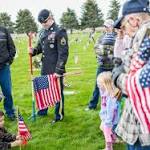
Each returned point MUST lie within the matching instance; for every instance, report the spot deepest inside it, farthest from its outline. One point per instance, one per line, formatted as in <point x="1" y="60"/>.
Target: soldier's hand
<point x="57" y="75"/>
<point x="31" y="50"/>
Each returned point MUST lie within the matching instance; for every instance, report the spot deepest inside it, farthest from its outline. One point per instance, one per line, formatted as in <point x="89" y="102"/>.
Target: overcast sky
<point x="56" y="6"/>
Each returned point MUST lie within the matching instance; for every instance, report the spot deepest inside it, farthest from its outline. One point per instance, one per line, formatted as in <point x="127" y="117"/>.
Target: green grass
<point x="80" y="129"/>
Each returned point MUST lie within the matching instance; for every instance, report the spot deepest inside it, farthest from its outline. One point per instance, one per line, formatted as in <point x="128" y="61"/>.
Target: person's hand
<point x="101" y="126"/>
<point x="31" y="50"/>
<point x="116" y="72"/>
<point x="57" y="75"/>
<point x="16" y="143"/>
<point x="120" y="33"/>
<point x="18" y="137"/>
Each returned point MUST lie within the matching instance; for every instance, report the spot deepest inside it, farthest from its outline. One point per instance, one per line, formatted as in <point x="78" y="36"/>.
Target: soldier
<point x="53" y="44"/>
<point x="7" y="54"/>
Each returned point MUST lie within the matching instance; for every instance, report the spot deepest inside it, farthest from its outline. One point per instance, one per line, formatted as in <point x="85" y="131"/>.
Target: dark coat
<point x="7" y="47"/>
<point x="53" y="44"/>
<point x="6" y="139"/>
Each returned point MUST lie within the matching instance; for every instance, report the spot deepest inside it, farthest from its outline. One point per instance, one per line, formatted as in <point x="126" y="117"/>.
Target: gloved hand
<point x="116" y="72"/>
<point x="57" y="75"/>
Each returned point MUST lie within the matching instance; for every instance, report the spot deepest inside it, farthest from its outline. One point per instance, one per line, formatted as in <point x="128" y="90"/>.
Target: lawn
<point x="80" y="129"/>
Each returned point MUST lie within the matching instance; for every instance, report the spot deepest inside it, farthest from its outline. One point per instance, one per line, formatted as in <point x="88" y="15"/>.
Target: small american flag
<point x="23" y="130"/>
<point x="47" y="91"/>
<point x="138" y="86"/>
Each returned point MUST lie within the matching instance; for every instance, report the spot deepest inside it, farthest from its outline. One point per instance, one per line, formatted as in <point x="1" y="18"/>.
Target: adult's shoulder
<point x="4" y="29"/>
<point x="61" y="29"/>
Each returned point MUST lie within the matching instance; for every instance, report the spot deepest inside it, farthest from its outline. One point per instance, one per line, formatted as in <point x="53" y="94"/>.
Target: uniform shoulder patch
<point x="63" y="41"/>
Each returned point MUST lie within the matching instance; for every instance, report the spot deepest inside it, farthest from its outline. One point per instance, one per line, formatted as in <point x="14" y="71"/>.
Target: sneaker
<point x="55" y="121"/>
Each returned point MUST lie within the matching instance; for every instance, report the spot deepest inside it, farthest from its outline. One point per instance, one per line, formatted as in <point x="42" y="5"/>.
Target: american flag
<point x="138" y="86"/>
<point x="23" y="130"/>
<point x="47" y="91"/>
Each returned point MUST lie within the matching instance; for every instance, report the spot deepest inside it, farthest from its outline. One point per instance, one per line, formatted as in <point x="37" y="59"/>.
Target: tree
<point x="69" y="19"/>
<point x="91" y="15"/>
<point x="5" y="20"/>
<point x="114" y="9"/>
<point x="25" y="22"/>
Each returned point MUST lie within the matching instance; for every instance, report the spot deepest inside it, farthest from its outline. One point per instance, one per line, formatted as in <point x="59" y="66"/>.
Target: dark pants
<point x="6" y="86"/>
<point x="94" y="100"/>
<point x="137" y="146"/>
<point x="59" y="108"/>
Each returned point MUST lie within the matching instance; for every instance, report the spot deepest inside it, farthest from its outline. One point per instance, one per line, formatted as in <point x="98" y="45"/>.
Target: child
<point x="109" y="113"/>
<point x="7" y="140"/>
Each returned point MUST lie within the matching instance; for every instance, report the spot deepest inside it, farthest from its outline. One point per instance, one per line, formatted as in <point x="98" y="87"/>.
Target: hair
<point x="105" y="79"/>
<point x="1" y="113"/>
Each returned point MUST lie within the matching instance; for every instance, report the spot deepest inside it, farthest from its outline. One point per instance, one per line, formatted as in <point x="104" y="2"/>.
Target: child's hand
<point x="18" y="137"/>
<point x="16" y="143"/>
<point x="101" y="126"/>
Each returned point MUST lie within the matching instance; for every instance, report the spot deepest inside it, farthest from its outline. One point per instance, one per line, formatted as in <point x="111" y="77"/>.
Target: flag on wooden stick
<point x="23" y="130"/>
<point x="47" y="91"/>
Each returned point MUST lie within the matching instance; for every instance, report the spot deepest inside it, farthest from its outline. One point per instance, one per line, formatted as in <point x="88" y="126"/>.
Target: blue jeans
<point x="137" y="146"/>
<point x="6" y="86"/>
<point x="95" y="97"/>
<point x="59" y="108"/>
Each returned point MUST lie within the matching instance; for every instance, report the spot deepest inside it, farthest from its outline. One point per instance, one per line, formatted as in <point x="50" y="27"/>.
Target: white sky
<point x="56" y="6"/>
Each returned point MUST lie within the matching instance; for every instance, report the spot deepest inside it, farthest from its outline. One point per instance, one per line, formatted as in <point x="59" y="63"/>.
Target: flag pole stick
<point x="33" y="116"/>
<point x="18" y="123"/>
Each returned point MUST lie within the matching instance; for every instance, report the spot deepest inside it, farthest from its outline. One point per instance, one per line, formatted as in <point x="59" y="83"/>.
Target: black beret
<point x="43" y="15"/>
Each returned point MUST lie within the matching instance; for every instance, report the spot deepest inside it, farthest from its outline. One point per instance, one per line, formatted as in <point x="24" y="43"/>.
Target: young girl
<point x="110" y="107"/>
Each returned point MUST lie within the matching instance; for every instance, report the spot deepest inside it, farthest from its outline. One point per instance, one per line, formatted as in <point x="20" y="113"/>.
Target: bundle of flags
<point x="138" y="88"/>
<point x="47" y="91"/>
<point x="23" y="130"/>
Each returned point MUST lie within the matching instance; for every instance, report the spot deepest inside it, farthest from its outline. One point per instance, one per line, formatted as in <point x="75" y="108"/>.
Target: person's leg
<point x="42" y="112"/>
<point x="6" y="86"/>
<point x="59" y="108"/>
<point x="130" y="147"/>
<point x="136" y="146"/>
<point x="94" y="100"/>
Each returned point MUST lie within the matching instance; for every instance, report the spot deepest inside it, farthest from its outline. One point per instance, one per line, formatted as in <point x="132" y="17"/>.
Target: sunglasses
<point x="45" y="21"/>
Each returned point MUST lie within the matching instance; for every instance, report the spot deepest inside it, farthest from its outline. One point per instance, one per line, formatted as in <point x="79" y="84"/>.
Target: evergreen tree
<point x="91" y="15"/>
<point x="25" y="22"/>
<point x="5" y="20"/>
<point x="69" y="20"/>
<point x="114" y="9"/>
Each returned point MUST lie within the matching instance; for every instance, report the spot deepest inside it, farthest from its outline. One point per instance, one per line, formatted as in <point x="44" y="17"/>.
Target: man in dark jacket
<point x="53" y="44"/>
<point x="7" y="53"/>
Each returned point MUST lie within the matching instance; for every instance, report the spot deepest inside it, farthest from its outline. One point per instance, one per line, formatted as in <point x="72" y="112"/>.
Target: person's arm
<point x="8" y="137"/>
<point x="111" y="106"/>
<point x="37" y="50"/>
<point x="10" y="46"/>
<point x="62" y="47"/>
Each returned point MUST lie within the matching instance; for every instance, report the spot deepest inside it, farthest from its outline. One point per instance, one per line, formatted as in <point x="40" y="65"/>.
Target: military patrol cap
<point x="132" y="6"/>
<point x="43" y="15"/>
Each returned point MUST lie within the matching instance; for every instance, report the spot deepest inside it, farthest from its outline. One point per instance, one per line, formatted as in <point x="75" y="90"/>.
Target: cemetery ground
<point x="80" y="129"/>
